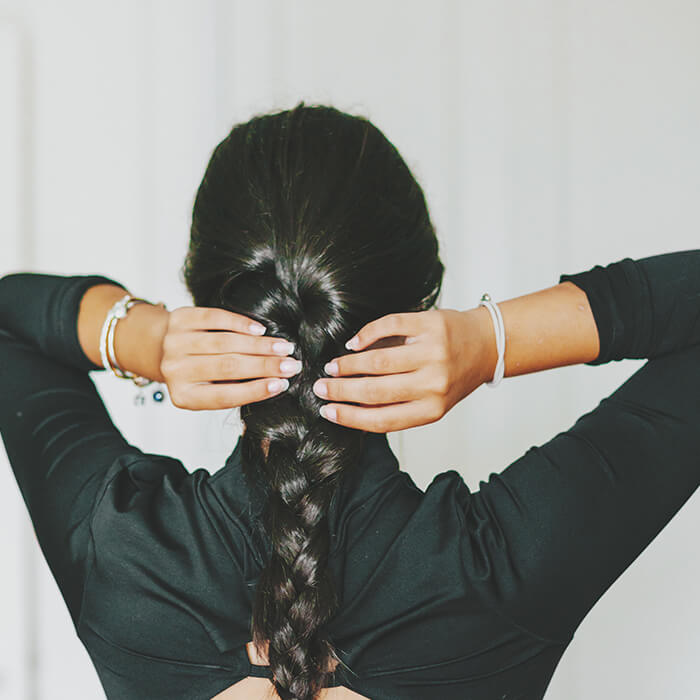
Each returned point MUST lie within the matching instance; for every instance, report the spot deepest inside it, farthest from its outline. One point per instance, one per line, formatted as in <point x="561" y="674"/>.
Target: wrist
<point x="138" y="340"/>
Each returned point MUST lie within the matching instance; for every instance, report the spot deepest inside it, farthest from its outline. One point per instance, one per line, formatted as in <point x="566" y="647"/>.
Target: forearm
<point x="42" y="309"/>
<point x="138" y="338"/>
<point x="552" y="327"/>
<point x="628" y="309"/>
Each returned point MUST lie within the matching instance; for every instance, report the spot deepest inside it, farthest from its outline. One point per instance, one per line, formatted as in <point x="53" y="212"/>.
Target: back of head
<point x="309" y="221"/>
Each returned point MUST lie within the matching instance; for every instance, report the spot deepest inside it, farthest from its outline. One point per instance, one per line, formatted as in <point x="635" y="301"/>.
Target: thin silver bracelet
<point x="107" y="353"/>
<point x="500" y="329"/>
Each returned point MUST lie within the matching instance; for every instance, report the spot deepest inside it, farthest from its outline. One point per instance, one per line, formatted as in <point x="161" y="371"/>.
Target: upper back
<point x="177" y="556"/>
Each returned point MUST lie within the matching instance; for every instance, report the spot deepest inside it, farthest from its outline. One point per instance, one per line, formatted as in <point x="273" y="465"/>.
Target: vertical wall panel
<point x="479" y="260"/>
<point x="186" y="82"/>
<point x="11" y="140"/>
<point x="16" y="650"/>
<point x="92" y="211"/>
<point x="634" y="176"/>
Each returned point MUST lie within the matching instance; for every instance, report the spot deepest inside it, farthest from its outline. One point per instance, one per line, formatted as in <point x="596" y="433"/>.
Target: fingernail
<point x="328" y="412"/>
<point x="283" y="347"/>
<point x="331" y="367"/>
<point x="321" y="388"/>
<point x="257" y="329"/>
<point x="352" y="343"/>
<point x="293" y="366"/>
<point x="278" y="385"/>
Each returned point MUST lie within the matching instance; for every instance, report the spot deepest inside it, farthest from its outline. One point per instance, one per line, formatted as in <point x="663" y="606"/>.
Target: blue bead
<point x="158" y="395"/>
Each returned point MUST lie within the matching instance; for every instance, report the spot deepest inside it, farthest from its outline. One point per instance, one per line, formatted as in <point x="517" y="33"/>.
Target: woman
<point x="310" y="565"/>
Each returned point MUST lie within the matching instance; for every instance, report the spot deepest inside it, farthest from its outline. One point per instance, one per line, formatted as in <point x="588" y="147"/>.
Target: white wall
<point x="549" y="137"/>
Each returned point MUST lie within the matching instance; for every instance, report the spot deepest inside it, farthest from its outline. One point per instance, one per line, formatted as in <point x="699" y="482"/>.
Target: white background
<point x="549" y="136"/>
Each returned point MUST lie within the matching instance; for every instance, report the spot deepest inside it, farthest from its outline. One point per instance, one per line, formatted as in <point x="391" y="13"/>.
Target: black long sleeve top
<point x="444" y="592"/>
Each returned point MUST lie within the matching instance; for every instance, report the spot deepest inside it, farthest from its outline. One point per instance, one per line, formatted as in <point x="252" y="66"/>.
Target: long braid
<point x="296" y="595"/>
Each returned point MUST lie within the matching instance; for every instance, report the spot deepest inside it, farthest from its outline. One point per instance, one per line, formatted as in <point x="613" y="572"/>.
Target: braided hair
<point x="309" y="221"/>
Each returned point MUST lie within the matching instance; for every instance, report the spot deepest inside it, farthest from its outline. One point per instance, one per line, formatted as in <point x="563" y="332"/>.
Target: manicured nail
<point x="352" y="343"/>
<point x="283" y="347"/>
<point x="293" y="366"/>
<point x="321" y="388"/>
<point x="331" y="367"/>
<point x="257" y="329"/>
<point x="328" y="412"/>
<point x="278" y="385"/>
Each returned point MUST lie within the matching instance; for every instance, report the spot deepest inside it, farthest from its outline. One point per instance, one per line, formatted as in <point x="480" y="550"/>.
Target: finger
<point x="203" y="343"/>
<point x="389" y="389"/>
<point x="232" y="366"/>
<point x="199" y="397"/>
<point x="408" y="324"/>
<point x="400" y="358"/>
<point x="212" y="318"/>
<point x="382" y="419"/>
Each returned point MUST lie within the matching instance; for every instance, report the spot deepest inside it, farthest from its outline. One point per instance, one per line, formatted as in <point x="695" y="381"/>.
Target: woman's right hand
<point x="442" y="357"/>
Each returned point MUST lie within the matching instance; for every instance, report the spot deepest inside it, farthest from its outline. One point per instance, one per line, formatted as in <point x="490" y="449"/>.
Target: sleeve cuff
<point x="617" y="295"/>
<point x="66" y="319"/>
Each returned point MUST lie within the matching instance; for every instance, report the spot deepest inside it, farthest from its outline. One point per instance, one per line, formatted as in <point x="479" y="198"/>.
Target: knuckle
<point x="167" y="341"/>
<point x="441" y="383"/>
<point x="348" y="418"/>
<point x="207" y="315"/>
<point x="439" y="354"/>
<point x="380" y="424"/>
<point x="406" y="393"/>
<point x="220" y="399"/>
<point x="228" y="365"/>
<point x="176" y="397"/>
<point x="333" y="390"/>
<point x="180" y="316"/>
<point x="343" y="364"/>
<point x="221" y="342"/>
<point x="435" y="410"/>
<point x="199" y="317"/>
<point x="393" y="394"/>
<point x="369" y="329"/>
<point x="380" y="363"/>
<point x="167" y="366"/>
<point x="444" y="356"/>
<point x="441" y="325"/>
<point x="435" y="317"/>
<point x="393" y="324"/>
<point x="373" y="393"/>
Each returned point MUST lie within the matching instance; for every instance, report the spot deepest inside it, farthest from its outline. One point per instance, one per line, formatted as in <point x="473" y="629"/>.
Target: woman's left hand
<point x="213" y="360"/>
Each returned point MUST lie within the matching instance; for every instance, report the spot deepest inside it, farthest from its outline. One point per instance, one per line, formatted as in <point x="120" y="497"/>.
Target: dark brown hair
<point x="309" y="221"/>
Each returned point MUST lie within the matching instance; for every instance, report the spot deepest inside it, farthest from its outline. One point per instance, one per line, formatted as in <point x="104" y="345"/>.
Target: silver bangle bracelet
<point x="497" y="319"/>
